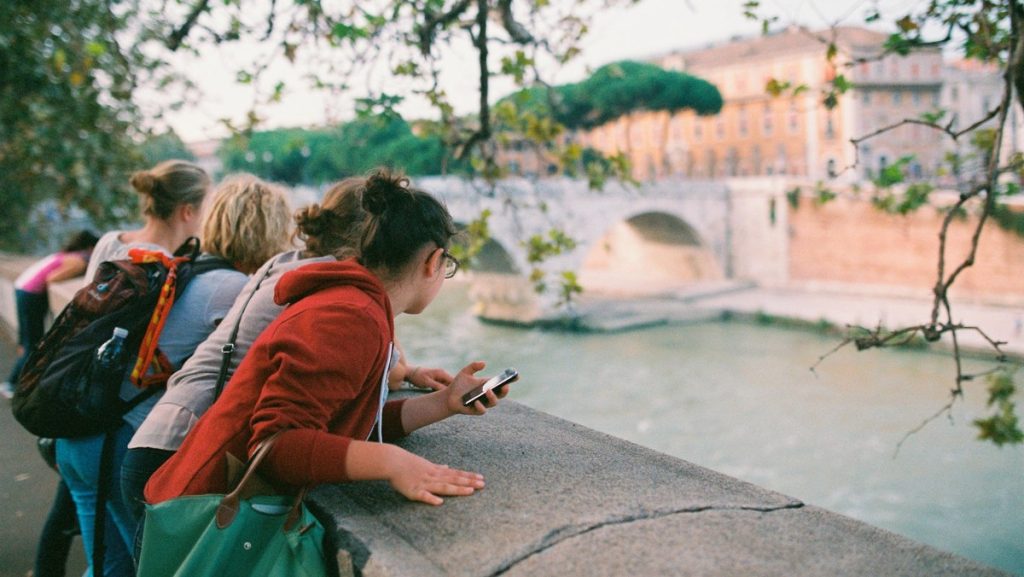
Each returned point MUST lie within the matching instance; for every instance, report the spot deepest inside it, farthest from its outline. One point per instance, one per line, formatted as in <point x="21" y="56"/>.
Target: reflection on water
<point x="740" y="399"/>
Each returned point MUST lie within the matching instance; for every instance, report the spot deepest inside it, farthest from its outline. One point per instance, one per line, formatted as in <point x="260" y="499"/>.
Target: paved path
<point x="27" y="486"/>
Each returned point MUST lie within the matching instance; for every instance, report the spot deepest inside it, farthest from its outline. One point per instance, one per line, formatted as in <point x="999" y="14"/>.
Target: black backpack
<point x="60" y="392"/>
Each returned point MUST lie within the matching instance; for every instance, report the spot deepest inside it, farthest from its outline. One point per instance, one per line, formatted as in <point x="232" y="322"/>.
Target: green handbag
<point x="232" y="535"/>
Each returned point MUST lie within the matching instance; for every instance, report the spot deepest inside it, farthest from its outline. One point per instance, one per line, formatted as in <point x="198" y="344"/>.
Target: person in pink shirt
<point x="30" y="294"/>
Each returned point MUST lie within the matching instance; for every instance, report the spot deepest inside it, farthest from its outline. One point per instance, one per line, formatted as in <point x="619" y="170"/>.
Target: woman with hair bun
<point x="331" y="231"/>
<point x="317" y="376"/>
<point x="171" y="197"/>
<point x="247" y="221"/>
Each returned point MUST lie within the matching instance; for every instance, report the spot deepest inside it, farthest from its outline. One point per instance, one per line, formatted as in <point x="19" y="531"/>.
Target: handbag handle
<point x="229" y="505"/>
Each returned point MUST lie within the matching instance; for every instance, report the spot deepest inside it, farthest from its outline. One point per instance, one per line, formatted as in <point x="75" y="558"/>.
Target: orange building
<point x="757" y="134"/>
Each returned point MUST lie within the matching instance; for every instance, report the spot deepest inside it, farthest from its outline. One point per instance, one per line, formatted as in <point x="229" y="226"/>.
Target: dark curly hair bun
<point x="385" y="190"/>
<point x="310" y="220"/>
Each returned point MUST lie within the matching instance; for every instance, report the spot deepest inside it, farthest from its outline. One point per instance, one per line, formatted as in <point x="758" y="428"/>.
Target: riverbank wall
<point x="562" y="499"/>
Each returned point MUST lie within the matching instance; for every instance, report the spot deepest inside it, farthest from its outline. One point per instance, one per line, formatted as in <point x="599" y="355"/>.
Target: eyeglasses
<point x="451" y="264"/>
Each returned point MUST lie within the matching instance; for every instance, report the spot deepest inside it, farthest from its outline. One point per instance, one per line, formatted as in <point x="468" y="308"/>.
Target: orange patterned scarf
<point x="149" y="355"/>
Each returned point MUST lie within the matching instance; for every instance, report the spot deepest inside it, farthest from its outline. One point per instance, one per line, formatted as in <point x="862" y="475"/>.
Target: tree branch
<point x="484" y="132"/>
<point x="432" y="22"/>
<point x="179" y="35"/>
<point x="516" y="31"/>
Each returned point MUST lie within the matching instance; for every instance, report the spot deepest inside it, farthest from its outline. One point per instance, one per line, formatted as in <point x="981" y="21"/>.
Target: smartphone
<point x="495" y="382"/>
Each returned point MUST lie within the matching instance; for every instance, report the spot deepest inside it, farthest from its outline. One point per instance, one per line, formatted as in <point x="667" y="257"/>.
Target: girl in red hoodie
<point x="318" y="374"/>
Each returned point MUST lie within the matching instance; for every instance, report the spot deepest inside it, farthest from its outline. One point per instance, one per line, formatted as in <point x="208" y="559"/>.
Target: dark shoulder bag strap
<point x="228" y="350"/>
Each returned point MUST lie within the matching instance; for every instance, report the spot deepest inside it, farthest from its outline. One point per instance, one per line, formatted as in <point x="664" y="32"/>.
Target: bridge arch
<point x="494" y="258"/>
<point x="650" y="252"/>
<point x="498" y="289"/>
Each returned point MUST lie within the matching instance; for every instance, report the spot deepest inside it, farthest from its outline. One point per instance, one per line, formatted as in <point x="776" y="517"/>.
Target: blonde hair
<point x="169" y="185"/>
<point x="334" y="226"/>
<point x="247" y="221"/>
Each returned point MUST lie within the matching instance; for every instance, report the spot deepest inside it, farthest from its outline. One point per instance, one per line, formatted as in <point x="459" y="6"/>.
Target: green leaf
<point x="342" y="31"/>
<point x="906" y="24"/>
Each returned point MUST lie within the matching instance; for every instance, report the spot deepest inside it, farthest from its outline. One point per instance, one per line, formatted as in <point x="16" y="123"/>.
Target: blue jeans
<point x="58" y="532"/>
<point x="79" y="463"/>
<point x="32" y="309"/>
<point x="139" y="465"/>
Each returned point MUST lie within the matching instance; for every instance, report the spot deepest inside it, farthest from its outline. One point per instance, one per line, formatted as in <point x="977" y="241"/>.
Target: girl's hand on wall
<point x="429" y="378"/>
<point x="421" y="480"/>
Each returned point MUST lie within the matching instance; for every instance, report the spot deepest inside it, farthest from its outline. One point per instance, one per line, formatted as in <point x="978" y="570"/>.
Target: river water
<point x="740" y="399"/>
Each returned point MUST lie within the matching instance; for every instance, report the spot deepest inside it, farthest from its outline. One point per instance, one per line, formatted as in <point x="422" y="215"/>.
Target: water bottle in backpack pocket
<point x="102" y="388"/>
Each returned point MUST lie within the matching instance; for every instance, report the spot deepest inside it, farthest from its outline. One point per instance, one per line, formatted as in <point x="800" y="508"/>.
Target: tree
<point x="73" y="75"/>
<point x="299" y="156"/>
<point x="991" y="31"/>
<point x="67" y="116"/>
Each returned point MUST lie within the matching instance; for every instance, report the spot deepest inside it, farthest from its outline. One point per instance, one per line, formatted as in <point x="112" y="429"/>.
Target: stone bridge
<point x="662" y="238"/>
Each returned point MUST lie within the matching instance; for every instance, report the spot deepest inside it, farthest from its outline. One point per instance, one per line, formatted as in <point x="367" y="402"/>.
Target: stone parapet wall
<point x="562" y="499"/>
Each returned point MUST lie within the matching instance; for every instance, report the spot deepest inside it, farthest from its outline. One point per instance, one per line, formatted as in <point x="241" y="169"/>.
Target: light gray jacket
<point x="190" y="391"/>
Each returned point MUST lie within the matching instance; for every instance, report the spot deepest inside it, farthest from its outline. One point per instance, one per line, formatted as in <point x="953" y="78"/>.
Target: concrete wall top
<point x="562" y="500"/>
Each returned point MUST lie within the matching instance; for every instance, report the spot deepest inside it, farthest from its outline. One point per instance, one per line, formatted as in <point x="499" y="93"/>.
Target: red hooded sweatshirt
<point x="316" y="373"/>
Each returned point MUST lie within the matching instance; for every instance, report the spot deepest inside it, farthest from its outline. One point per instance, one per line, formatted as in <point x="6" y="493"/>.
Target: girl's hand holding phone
<point x="466" y="385"/>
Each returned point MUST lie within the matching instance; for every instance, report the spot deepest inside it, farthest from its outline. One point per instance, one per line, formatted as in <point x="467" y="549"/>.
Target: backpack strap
<point x="228" y="350"/>
<point x="178" y="277"/>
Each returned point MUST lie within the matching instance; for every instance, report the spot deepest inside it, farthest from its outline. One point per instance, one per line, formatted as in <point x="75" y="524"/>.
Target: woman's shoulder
<point x="107" y="246"/>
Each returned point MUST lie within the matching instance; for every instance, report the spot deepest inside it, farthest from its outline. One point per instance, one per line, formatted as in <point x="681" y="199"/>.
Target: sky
<point x="649" y="28"/>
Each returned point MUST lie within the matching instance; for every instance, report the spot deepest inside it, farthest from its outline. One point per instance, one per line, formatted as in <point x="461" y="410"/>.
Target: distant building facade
<point x="793" y="134"/>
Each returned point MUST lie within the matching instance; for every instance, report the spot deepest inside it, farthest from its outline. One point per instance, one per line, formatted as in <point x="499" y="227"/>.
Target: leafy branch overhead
<point x="991" y="32"/>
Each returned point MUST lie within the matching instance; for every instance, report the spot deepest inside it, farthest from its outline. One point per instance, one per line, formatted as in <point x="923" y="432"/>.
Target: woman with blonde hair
<point x="330" y="230"/>
<point x="316" y="378"/>
<point x="246" y="222"/>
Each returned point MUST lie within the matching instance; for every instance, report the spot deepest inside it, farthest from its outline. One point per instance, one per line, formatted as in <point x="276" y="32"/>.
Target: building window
<point x="897" y="97"/>
<point x="743" y="120"/>
<point x="915" y="70"/>
<point x="712" y="163"/>
<point x="954" y="93"/>
<point x="830" y="168"/>
<point x="698" y="128"/>
<point x="830" y="126"/>
<point x="720" y="128"/>
<point x="794" y="118"/>
<point x="732" y="162"/>
<point x="755" y="159"/>
<point x="935" y="98"/>
<point x="865" y="97"/>
<point x="766" y="120"/>
<point x="916" y="98"/>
